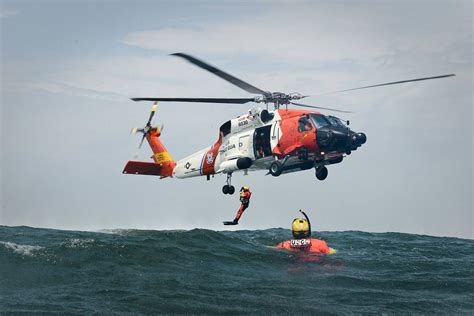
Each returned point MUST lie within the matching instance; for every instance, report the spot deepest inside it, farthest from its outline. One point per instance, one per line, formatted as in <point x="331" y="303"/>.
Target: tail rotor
<point x="147" y="129"/>
<point x="163" y="164"/>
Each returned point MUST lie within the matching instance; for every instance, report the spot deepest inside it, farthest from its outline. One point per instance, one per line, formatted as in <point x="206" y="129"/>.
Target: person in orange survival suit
<point x="301" y="229"/>
<point x="245" y="200"/>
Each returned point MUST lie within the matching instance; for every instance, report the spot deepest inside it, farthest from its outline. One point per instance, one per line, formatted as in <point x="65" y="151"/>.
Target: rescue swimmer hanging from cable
<point x="279" y="141"/>
<point x="245" y="195"/>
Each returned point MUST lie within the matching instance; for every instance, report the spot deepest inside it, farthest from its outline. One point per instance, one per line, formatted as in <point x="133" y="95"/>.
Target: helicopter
<point x="279" y="141"/>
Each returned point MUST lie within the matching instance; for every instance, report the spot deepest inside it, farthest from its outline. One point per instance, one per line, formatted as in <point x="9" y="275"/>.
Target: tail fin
<point x="164" y="163"/>
<point x="160" y="154"/>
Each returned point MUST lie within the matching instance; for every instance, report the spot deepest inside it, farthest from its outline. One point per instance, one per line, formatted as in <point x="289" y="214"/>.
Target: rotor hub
<point x="278" y="98"/>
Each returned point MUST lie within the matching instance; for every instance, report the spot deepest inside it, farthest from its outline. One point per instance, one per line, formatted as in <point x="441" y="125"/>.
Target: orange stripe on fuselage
<point x="209" y="158"/>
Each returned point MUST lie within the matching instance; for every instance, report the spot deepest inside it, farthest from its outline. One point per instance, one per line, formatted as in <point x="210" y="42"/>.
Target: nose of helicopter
<point x="335" y="139"/>
<point x="358" y="139"/>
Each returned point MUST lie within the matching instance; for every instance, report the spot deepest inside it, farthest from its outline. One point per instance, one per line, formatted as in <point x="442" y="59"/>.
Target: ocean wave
<point x="24" y="250"/>
<point x="203" y="271"/>
<point x="79" y="243"/>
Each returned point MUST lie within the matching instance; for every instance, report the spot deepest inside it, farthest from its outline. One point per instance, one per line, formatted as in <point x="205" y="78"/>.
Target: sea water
<point x="204" y="271"/>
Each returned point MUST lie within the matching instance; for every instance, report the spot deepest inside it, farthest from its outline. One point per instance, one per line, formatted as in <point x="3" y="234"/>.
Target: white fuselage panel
<point x="239" y="143"/>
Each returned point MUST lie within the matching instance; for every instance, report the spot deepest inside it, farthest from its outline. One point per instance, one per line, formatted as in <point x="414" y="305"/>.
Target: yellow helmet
<point x="246" y="188"/>
<point x="300" y="228"/>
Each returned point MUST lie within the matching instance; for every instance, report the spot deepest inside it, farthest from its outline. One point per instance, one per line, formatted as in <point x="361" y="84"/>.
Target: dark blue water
<point x="202" y="271"/>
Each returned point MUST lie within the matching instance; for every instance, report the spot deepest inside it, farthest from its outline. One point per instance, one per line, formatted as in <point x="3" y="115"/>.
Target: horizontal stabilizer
<point x="140" y="167"/>
<point x="230" y="223"/>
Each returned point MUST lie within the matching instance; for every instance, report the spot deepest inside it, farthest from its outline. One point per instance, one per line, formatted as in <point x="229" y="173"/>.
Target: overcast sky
<point x="69" y="67"/>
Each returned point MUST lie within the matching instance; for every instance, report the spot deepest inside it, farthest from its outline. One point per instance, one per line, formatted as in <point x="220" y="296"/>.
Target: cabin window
<point x="225" y="128"/>
<point x="304" y="125"/>
<point x="319" y="120"/>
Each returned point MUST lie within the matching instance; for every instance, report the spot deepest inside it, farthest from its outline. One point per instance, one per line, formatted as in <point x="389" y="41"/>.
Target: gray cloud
<point x="5" y="13"/>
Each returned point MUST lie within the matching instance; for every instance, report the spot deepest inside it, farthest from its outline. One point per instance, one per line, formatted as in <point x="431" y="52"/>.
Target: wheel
<point x="225" y="189"/>
<point x="276" y="168"/>
<point x="321" y="173"/>
<point x="231" y="190"/>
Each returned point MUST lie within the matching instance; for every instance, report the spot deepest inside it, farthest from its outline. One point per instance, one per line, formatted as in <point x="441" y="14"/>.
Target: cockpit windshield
<point x="319" y="120"/>
<point x="335" y="121"/>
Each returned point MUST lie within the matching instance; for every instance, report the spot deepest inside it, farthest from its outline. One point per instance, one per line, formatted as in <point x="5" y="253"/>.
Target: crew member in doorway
<point x="302" y="241"/>
<point x="259" y="145"/>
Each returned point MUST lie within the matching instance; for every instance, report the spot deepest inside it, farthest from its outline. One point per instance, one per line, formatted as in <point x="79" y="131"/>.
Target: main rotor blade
<point x="203" y="100"/>
<point x="236" y="81"/>
<point x="319" y="107"/>
<point x="388" y="83"/>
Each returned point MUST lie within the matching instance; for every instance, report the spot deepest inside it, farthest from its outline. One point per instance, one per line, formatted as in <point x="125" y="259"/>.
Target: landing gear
<point x="276" y="168"/>
<point x="321" y="172"/>
<point x="228" y="188"/>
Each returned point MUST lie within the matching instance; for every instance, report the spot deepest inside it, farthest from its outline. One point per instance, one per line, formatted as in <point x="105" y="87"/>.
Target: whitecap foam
<point x="25" y="250"/>
<point x="78" y="243"/>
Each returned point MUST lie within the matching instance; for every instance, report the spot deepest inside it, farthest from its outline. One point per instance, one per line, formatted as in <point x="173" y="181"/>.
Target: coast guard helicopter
<point x="280" y="141"/>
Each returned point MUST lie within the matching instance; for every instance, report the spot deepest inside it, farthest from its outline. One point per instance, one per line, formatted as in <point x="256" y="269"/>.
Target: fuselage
<point x="254" y="140"/>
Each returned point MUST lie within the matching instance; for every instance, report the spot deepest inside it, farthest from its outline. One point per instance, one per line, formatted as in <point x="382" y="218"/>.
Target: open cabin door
<point x="262" y="146"/>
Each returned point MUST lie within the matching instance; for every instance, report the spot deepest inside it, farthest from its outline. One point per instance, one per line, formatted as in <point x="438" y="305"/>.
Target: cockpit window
<point x="319" y="120"/>
<point x="304" y="125"/>
<point x="334" y="121"/>
<point x="225" y="128"/>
